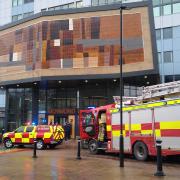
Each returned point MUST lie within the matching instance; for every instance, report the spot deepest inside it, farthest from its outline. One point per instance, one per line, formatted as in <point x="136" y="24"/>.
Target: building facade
<point x="55" y="63"/>
<point x="166" y="17"/>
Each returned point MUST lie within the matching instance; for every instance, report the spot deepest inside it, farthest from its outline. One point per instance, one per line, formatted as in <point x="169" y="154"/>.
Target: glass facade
<point x="19" y="103"/>
<point x="163" y="8"/>
<point x="59" y="104"/>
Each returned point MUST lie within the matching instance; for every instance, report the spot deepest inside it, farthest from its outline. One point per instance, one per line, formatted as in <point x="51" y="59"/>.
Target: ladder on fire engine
<point x="161" y="90"/>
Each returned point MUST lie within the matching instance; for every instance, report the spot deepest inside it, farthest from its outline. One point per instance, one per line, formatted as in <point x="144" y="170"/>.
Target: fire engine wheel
<point x="40" y="144"/>
<point x="8" y="143"/>
<point x="93" y="147"/>
<point x="140" y="151"/>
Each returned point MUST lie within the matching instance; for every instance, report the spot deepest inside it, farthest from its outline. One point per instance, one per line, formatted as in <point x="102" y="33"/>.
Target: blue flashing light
<point x="91" y="107"/>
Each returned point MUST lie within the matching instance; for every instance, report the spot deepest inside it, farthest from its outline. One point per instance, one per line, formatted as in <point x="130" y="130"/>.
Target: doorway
<point x="60" y="119"/>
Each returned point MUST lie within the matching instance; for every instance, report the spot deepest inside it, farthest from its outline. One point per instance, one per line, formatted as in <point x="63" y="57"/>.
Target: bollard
<point x="79" y="149"/>
<point x="159" y="159"/>
<point x="35" y="147"/>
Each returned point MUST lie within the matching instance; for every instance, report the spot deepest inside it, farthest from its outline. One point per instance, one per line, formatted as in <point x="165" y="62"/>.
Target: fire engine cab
<point x="143" y="124"/>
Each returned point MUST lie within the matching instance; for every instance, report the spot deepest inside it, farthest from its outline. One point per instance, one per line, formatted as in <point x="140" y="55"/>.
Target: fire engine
<point x="143" y="124"/>
<point x="45" y="134"/>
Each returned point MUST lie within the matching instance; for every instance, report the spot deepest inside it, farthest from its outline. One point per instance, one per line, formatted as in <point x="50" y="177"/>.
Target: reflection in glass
<point x="167" y="10"/>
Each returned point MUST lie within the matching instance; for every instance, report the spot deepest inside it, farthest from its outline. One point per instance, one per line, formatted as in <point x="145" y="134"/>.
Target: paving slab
<point x="61" y="164"/>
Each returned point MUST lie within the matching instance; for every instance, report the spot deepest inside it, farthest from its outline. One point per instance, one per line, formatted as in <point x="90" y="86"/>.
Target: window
<point x="16" y="17"/>
<point x="20" y="129"/>
<point x="158" y="34"/>
<point x="29" y="128"/>
<point x="28" y="14"/>
<point x="102" y="2"/>
<point x="20" y="2"/>
<point x="51" y="9"/>
<point x="167" y="9"/>
<point x="14" y="3"/>
<point x="168" y="57"/>
<point x="157" y="11"/>
<point x="71" y="5"/>
<point x="166" y="1"/>
<point x="94" y="2"/>
<point x="176" y="8"/>
<point x="28" y="1"/>
<point x="79" y="4"/>
<point x="42" y="10"/>
<point x="65" y="6"/>
<point x="167" y="33"/>
<point x="159" y="58"/>
<point x="156" y="2"/>
<point x="110" y="1"/>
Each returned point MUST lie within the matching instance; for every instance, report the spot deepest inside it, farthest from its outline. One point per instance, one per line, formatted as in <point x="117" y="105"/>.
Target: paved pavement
<point x="61" y="164"/>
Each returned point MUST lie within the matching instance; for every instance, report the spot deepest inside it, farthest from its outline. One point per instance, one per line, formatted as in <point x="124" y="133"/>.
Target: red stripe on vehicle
<point x="47" y="140"/>
<point x="11" y="135"/>
<point x="170" y="132"/>
<point x="117" y="127"/>
<point x="25" y="135"/>
<point x="18" y="140"/>
<point x="135" y="132"/>
<point x="146" y="126"/>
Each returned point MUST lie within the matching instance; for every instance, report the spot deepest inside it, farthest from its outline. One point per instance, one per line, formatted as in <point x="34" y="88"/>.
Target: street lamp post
<point x="121" y="143"/>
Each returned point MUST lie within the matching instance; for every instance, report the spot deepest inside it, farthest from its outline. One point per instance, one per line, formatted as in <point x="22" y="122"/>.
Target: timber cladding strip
<point x="63" y="45"/>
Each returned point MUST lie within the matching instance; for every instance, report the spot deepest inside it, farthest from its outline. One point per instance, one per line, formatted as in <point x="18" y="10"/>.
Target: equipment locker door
<point x="116" y="131"/>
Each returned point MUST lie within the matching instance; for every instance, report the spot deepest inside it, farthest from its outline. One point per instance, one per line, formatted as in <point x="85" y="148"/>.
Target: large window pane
<point x="168" y="57"/>
<point x="71" y="5"/>
<point x="167" y="33"/>
<point x="156" y="11"/>
<point x="94" y="2"/>
<point x="167" y="9"/>
<point x="166" y="1"/>
<point x="158" y="34"/>
<point x="102" y="2"/>
<point x="79" y="4"/>
<point x="110" y="1"/>
<point x="14" y="3"/>
<point x="176" y="8"/>
<point x="28" y="1"/>
<point x="20" y="2"/>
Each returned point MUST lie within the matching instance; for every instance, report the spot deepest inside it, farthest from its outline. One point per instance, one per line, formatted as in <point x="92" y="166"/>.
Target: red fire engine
<point x="142" y="125"/>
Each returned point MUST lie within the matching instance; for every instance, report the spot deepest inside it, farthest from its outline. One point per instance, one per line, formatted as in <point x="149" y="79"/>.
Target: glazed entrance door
<point x="60" y="119"/>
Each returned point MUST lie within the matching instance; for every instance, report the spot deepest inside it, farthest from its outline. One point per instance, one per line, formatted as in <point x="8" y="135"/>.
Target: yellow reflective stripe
<point x="146" y="131"/>
<point x="158" y="133"/>
<point x="47" y="135"/>
<point x="13" y="140"/>
<point x="135" y="127"/>
<point x="25" y="140"/>
<point x="114" y="110"/>
<point x="117" y="133"/>
<point x="108" y="128"/>
<point x="171" y="102"/>
<point x="144" y="106"/>
<point x="170" y="125"/>
<point x="126" y="127"/>
<point x="18" y="135"/>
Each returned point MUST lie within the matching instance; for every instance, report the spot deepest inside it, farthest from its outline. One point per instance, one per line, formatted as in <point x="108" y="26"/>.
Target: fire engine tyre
<point x="8" y="143"/>
<point x="40" y="144"/>
<point x="93" y="147"/>
<point x="140" y="151"/>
